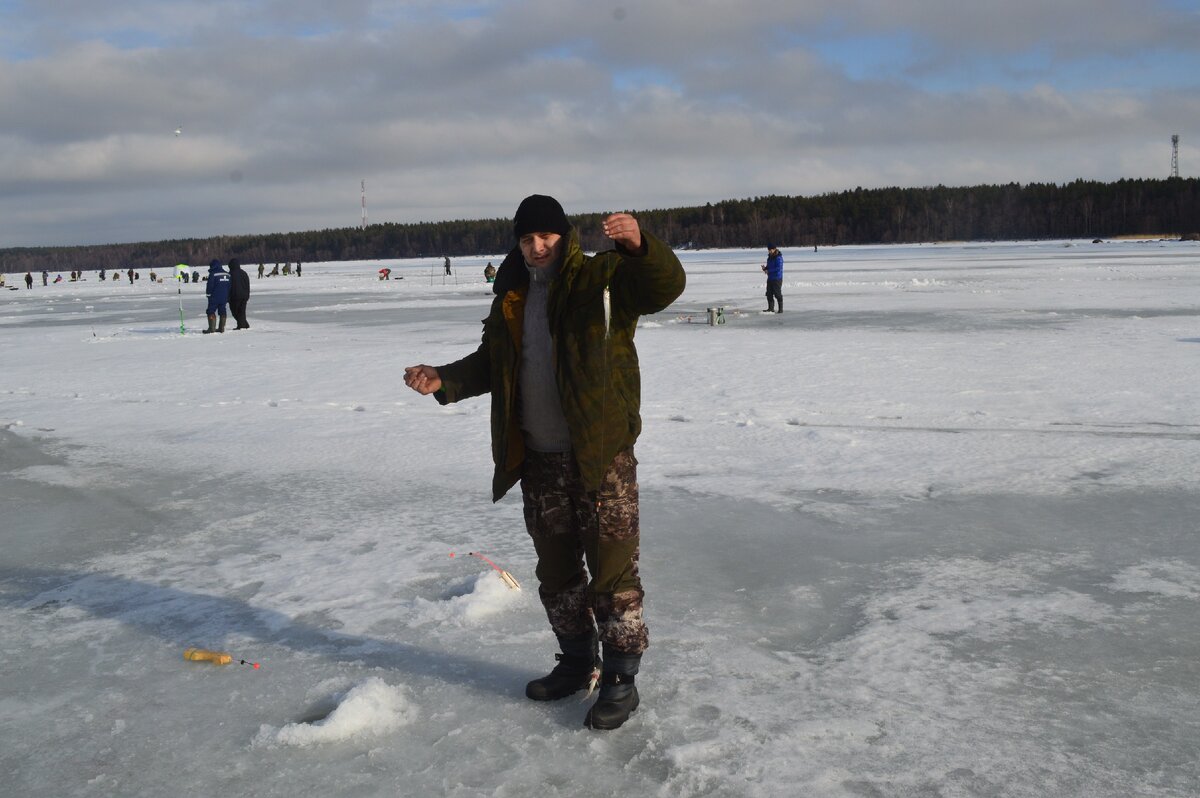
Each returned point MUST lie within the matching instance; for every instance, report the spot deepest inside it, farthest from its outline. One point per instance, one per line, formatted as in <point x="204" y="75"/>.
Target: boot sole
<point x="554" y="696"/>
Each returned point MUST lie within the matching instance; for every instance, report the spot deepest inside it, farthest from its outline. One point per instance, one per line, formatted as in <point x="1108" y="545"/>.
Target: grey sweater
<point x="542" y="419"/>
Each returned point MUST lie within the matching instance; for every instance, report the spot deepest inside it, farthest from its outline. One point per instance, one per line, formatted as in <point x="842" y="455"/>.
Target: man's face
<point x="541" y="249"/>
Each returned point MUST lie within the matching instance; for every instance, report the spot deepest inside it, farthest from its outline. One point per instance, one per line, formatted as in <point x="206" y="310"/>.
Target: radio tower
<point x="364" y="204"/>
<point x="1175" y="155"/>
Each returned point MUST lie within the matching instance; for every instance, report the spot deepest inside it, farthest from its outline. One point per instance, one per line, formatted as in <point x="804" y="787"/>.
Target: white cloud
<point x="458" y="109"/>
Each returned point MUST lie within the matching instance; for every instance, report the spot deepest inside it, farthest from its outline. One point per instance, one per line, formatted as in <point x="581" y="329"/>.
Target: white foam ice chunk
<point x="490" y="596"/>
<point x="1171" y="578"/>
<point x="481" y="596"/>
<point x="370" y="708"/>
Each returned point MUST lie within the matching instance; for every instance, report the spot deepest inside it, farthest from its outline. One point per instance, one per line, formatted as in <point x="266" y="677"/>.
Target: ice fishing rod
<point x="504" y="575"/>
<point x="215" y="657"/>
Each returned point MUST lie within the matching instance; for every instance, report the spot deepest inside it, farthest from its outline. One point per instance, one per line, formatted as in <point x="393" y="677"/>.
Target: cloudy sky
<point x="458" y="108"/>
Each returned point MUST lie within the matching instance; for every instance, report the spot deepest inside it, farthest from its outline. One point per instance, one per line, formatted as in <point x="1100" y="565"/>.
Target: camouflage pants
<point x="576" y="532"/>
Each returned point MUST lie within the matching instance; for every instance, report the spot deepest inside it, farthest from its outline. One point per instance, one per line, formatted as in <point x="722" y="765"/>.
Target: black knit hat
<point x="538" y="213"/>
<point x="234" y="263"/>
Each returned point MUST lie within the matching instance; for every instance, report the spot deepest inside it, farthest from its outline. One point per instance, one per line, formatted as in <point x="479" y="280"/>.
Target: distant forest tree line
<point x="1081" y="209"/>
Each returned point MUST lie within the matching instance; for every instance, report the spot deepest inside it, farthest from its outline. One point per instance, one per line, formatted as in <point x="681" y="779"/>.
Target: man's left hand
<point x="623" y="229"/>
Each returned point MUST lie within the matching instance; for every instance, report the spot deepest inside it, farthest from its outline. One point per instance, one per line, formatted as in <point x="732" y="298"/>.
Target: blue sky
<point x="458" y="109"/>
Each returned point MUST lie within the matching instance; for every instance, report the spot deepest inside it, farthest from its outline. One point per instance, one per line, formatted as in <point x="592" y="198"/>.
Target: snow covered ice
<point x="932" y="531"/>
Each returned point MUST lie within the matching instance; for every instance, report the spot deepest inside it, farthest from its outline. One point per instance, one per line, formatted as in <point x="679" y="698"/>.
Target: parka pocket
<point x="617" y="500"/>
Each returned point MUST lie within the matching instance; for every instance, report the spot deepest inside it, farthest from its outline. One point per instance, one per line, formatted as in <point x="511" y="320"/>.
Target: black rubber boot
<point x="573" y="673"/>
<point x="212" y="324"/>
<point x="221" y="327"/>
<point x="618" y="693"/>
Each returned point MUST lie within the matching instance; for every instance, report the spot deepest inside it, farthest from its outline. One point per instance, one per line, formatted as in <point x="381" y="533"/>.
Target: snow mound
<point x="469" y="601"/>
<point x="371" y="707"/>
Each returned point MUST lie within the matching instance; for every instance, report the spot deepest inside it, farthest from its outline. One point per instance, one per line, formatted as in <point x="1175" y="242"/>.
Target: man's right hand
<point x="422" y="379"/>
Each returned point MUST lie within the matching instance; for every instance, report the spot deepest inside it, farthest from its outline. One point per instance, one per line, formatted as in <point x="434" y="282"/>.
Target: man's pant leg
<point x="555" y="513"/>
<point x="613" y="550"/>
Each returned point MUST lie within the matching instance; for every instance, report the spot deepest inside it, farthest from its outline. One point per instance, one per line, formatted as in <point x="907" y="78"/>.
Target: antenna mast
<point x="1175" y="155"/>
<point x="365" y="204"/>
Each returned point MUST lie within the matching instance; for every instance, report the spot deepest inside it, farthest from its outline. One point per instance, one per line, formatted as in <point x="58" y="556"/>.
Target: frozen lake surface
<point x="933" y="531"/>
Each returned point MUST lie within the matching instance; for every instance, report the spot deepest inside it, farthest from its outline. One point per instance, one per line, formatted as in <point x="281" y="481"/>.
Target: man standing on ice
<point x="239" y="293"/>
<point x="216" y="288"/>
<point x="558" y="358"/>
<point x="774" y="269"/>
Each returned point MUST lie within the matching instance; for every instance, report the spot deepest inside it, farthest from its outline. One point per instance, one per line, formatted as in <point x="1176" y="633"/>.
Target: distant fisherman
<point x="217" y="291"/>
<point x="239" y="293"/>
<point x="774" y="269"/>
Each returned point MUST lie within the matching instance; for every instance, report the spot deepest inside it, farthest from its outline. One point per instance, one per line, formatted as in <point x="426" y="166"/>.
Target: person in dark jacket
<point x="558" y="359"/>
<point x="217" y="291"/>
<point x="28" y="280"/>
<point x="239" y="293"/>
<point x="774" y="270"/>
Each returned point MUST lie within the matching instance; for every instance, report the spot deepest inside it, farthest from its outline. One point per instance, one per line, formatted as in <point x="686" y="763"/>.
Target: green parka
<point x="593" y="307"/>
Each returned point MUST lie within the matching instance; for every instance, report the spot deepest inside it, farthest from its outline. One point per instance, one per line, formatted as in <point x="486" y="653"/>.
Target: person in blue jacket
<point x="217" y="291"/>
<point x="774" y="269"/>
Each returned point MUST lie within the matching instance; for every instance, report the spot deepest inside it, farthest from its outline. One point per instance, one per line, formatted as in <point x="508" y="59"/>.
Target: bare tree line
<point x="1080" y="209"/>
